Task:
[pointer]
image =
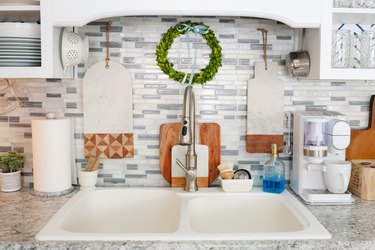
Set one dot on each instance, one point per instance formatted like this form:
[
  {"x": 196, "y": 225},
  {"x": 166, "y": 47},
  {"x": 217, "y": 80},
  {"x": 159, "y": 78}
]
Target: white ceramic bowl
[
  {"x": 29, "y": 30},
  {"x": 237, "y": 185},
  {"x": 74, "y": 49}
]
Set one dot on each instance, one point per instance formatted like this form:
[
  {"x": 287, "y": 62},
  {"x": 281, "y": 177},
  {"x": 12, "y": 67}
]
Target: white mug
[{"x": 337, "y": 175}]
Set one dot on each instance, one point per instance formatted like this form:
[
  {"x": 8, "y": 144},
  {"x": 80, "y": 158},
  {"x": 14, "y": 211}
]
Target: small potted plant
[{"x": 10, "y": 173}]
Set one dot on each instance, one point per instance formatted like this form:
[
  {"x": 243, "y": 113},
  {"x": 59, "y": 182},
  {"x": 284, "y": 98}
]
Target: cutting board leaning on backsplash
[
  {"x": 362, "y": 141},
  {"x": 209, "y": 134},
  {"x": 178, "y": 175},
  {"x": 265, "y": 109},
  {"x": 108, "y": 111}
]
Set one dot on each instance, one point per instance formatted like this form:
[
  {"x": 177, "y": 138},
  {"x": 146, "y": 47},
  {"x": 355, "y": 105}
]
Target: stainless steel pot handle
[{"x": 303, "y": 39}]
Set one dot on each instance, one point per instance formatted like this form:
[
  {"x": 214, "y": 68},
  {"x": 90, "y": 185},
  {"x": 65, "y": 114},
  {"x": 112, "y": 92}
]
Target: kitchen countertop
[{"x": 23, "y": 215}]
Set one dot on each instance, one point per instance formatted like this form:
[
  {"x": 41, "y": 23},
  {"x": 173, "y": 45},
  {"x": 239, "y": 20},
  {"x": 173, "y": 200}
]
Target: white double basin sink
[{"x": 119, "y": 214}]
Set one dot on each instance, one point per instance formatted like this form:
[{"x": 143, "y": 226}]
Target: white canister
[
  {"x": 87, "y": 180},
  {"x": 10, "y": 182}
]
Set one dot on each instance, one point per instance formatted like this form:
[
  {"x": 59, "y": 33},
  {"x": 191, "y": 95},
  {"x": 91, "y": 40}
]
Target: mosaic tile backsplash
[{"x": 157, "y": 99}]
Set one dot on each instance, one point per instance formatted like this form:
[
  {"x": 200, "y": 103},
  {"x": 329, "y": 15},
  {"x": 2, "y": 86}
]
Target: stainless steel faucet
[{"x": 187, "y": 138}]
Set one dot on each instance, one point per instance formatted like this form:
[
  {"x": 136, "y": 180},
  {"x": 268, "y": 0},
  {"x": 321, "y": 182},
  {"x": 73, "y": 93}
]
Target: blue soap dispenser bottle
[{"x": 274, "y": 173}]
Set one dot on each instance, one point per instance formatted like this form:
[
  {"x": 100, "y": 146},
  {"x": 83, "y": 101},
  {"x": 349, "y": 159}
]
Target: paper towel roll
[{"x": 52, "y": 154}]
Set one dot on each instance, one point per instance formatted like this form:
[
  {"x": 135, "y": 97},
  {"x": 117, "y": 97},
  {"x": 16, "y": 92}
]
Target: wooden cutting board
[
  {"x": 362, "y": 142},
  {"x": 209, "y": 135},
  {"x": 265, "y": 109}
]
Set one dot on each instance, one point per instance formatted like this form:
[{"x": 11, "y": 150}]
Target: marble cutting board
[
  {"x": 265, "y": 109},
  {"x": 178, "y": 175},
  {"x": 108, "y": 111}
]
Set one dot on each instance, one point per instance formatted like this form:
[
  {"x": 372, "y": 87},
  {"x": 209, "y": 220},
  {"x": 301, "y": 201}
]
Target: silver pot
[{"x": 298, "y": 62}]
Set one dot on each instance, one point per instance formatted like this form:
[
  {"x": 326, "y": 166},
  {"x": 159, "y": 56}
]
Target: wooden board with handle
[
  {"x": 362, "y": 142},
  {"x": 265, "y": 109},
  {"x": 209, "y": 135},
  {"x": 108, "y": 115}
]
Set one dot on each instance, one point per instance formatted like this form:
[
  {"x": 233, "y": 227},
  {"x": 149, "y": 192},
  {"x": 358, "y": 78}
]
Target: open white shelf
[
  {"x": 319, "y": 42},
  {"x": 19, "y": 8},
  {"x": 354, "y": 16},
  {"x": 35, "y": 11},
  {"x": 14, "y": 11},
  {"x": 353, "y": 10}
]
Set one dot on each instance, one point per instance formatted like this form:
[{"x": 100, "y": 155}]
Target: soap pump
[{"x": 274, "y": 173}]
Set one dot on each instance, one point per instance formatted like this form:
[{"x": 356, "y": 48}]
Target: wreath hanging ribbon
[
  {"x": 204, "y": 75},
  {"x": 199, "y": 29}
]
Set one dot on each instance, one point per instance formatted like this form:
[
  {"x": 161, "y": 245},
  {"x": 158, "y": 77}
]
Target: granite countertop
[{"x": 23, "y": 215}]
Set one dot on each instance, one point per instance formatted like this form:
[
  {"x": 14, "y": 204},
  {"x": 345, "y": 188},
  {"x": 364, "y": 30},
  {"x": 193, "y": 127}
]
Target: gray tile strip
[
  {"x": 5, "y": 149},
  {"x": 113, "y": 180},
  {"x": 4, "y": 118}
]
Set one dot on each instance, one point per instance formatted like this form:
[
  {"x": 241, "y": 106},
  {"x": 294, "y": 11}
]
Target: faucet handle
[
  {"x": 179, "y": 163},
  {"x": 190, "y": 173}
]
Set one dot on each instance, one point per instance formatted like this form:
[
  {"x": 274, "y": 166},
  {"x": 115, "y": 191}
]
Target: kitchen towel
[{"x": 52, "y": 155}]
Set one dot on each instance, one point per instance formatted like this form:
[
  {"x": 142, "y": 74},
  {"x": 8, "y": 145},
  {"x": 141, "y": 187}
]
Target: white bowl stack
[{"x": 20, "y": 45}]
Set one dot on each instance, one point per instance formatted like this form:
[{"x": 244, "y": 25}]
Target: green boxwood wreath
[{"x": 205, "y": 74}]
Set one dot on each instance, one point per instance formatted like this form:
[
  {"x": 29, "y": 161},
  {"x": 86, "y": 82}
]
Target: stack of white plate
[{"x": 20, "y": 45}]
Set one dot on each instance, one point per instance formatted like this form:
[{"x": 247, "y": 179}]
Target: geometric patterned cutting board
[
  {"x": 108, "y": 111},
  {"x": 109, "y": 145}
]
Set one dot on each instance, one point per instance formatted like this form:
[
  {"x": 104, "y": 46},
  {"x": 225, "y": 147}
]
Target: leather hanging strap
[
  {"x": 107, "y": 30},
  {"x": 264, "y": 39}
]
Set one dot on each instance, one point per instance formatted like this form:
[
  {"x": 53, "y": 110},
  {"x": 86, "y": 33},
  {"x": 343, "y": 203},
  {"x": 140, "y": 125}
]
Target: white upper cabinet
[
  {"x": 56, "y": 14},
  {"x": 15, "y": 11},
  {"x": 319, "y": 16},
  {"x": 295, "y": 13},
  {"x": 319, "y": 42}
]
